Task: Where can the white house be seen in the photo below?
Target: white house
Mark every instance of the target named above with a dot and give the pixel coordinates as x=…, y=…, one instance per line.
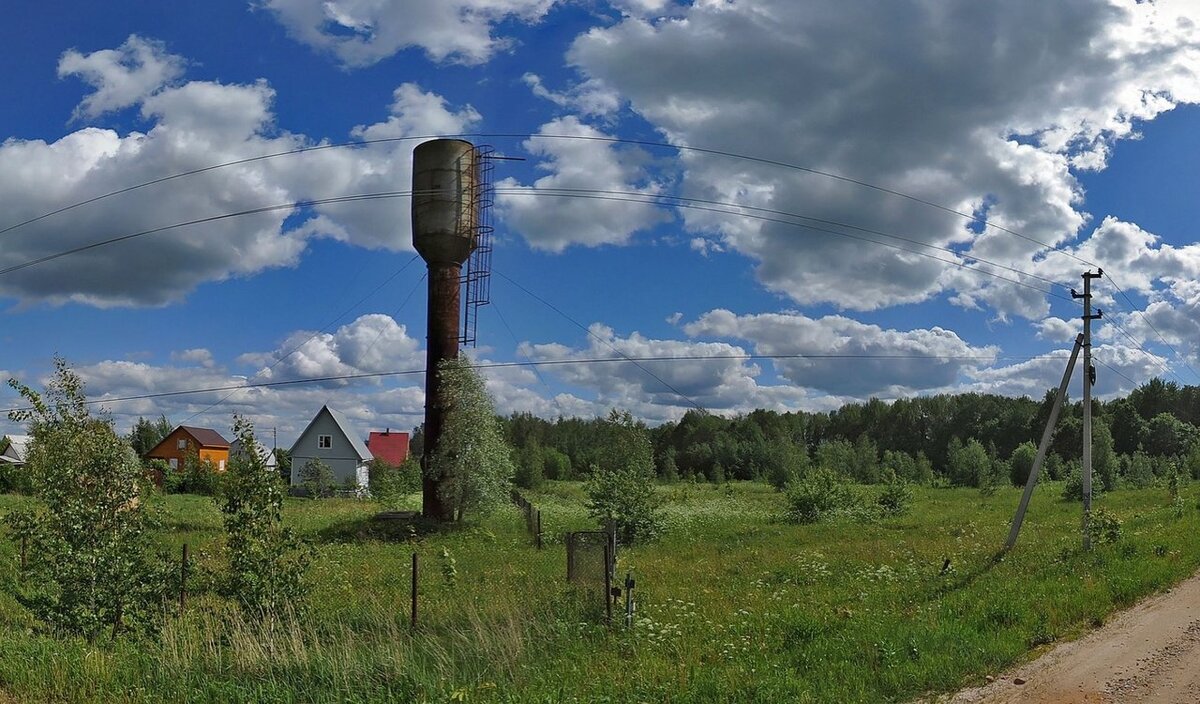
x=331, y=439
x=14, y=449
x=268, y=457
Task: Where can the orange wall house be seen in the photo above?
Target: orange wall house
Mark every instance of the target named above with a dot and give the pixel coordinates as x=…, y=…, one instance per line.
x=184, y=440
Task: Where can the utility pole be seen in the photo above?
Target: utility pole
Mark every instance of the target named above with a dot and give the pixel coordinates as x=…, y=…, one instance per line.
x=1089, y=378
x=1043, y=447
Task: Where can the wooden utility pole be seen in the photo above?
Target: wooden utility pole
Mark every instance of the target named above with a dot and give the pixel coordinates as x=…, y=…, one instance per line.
x=1089, y=378
x=1043, y=447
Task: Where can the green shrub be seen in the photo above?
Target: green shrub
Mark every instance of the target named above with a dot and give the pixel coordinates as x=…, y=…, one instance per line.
x=266, y=561
x=557, y=464
x=1073, y=486
x=199, y=477
x=1020, y=463
x=1138, y=470
x=531, y=465
x=390, y=484
x=14, y=480
x=896, y=499
x=622, y=489
x=822, y=493
x=1104, y=527
x=994, y=474
x=317, y=478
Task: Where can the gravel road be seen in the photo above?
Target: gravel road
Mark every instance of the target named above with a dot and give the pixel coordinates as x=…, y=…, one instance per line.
x=1149, y=654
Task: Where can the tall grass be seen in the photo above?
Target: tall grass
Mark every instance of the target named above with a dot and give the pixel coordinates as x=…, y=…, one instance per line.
x=734, y=604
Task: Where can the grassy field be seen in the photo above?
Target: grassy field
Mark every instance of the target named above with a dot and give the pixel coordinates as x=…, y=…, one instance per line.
x=733, y=605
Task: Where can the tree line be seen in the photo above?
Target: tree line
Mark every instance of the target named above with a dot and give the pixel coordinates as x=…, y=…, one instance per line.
x=959, y=439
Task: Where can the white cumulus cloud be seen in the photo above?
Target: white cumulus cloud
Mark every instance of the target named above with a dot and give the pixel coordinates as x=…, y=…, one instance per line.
x=194, y=125
x=363, y=32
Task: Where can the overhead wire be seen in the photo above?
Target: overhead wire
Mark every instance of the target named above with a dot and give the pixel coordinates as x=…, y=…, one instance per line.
x=517, y=346
x=618, y=196
x=971, y=217
x=201, y=221
x=1114, y=370
x=310, y=338
x=559, y=362
x=1142, y=348
x=690, y=206
x=596, y=337
x=1134, y=309
x=674, y=199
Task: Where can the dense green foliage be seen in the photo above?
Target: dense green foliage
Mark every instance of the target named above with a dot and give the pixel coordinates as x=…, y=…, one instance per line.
x=390, y=484
x=145, y=434
x=821, y=494
x=196, y=476
x=473, y=462
x=962, y=440
x=91, y=567
x=621, y=487
x=265, y=560
x=317, y=478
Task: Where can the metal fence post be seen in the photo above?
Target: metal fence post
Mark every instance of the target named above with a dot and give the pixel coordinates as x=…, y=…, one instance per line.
x=539, y=529
x=183, y=570
x=607, y=585
x=629, y=583
x=413, y=613
x=570, y=557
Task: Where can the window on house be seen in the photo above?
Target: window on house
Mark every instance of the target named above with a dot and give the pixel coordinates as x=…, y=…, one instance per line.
x=174, y=463
x=220, y=465
x=324, y=442
x=181, y=444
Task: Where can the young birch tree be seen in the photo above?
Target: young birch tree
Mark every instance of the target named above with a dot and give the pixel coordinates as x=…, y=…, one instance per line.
x=473, y=460
x=266, y=560
x=92, y=570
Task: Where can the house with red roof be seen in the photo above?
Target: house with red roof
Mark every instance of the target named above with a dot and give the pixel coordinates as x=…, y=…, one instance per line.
x=391, y=447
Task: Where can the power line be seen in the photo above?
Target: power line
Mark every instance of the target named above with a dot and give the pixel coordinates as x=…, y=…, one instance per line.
x=1114, y=370
x=201, y=221
x=1135, y=309
x=611, y=346
x=1142, y=348
x=313, y=336
x=960, y=264
x=563, y=362
x=675, y=200
x=971, y=217
x=630, y=196
x=536, y=372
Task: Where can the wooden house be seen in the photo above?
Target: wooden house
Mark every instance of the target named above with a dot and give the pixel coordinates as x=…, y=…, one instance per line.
x=185, y=440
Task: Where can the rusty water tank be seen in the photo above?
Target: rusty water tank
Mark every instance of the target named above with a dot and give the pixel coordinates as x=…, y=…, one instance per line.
x=444, y=216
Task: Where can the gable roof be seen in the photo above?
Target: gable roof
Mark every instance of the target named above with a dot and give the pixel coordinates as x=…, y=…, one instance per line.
x=347, y=431
x=268, y=457
x=14, y=448
x=206, y=437
x=388, y=446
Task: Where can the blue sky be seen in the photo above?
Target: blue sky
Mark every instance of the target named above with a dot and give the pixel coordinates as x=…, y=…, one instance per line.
x=1074, y=124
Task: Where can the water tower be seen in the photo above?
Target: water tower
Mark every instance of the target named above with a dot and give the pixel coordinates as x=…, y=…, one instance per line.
x=446, y=202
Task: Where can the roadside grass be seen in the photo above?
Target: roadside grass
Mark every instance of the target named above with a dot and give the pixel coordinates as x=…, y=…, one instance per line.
x=733, y=605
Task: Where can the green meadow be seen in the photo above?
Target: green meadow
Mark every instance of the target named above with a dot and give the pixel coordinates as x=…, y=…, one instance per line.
x=733, y=604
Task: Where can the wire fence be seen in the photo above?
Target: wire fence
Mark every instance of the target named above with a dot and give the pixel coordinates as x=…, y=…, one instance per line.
x=390, y=572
